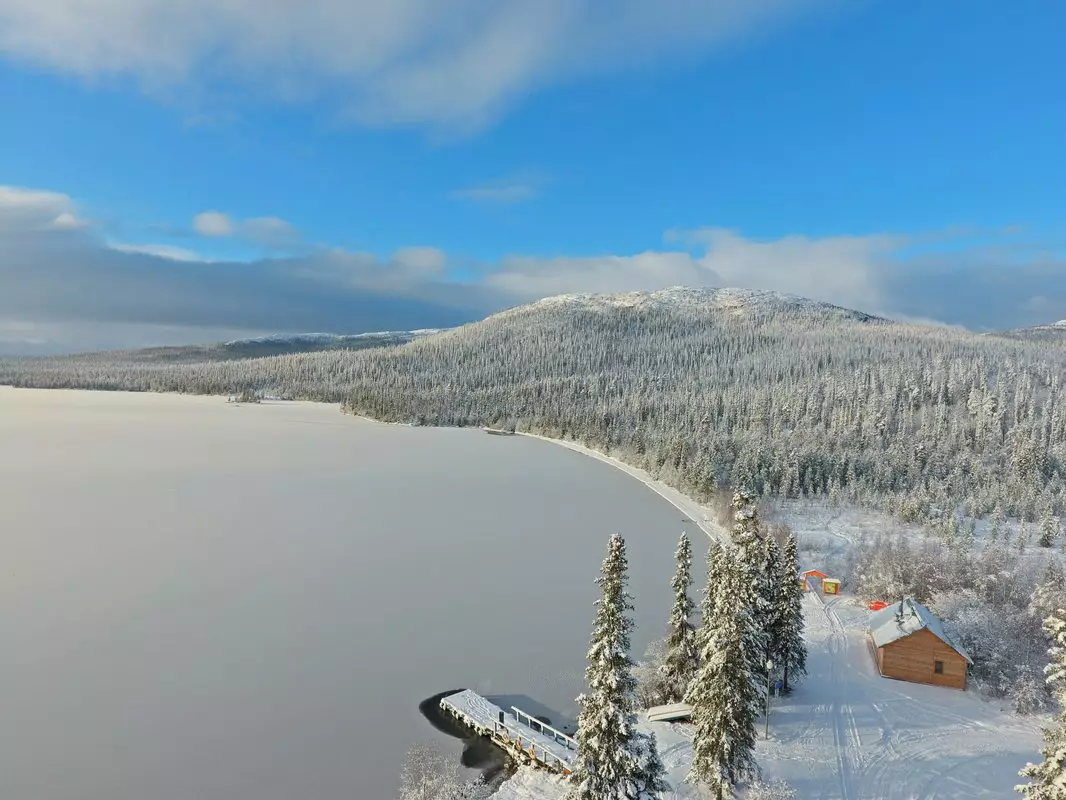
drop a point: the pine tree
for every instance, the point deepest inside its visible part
(614, 761)
(752, 555)
(996, 526)
(769, 583)
(1047, 780)
(723, 694)
(681, 655)
(791, 649)
(1049, 528)
(1050, 593)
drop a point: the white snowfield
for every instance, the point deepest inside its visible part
(846, 733)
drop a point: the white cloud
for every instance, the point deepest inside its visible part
(272, 233)
(66, 221)
(424, 262)
(52, 277)
(212, 223)
(531, 278)
(455, 63)
(169, 252)
(269, 231)
(837, 269)
(509, 193)
(35, 209)
(504, 191)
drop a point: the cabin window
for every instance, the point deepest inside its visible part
(938, 667)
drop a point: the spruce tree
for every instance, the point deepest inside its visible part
(752, 556)
(1050, 593)
(791, 649)
(1049, 528)
(681, 656)
(1047, 780)
(723, 694)
(614, 761)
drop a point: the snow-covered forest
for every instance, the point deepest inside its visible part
(704, 388)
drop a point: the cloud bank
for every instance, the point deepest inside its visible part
(450, 63)
(63, 288)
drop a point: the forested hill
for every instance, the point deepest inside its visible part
(254, 347)
(1040, 333)
(705, 388)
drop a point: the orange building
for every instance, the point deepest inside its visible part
(912, 645)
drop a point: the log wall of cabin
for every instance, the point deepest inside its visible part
(914, 657)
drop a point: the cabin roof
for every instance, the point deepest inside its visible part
(886, 626)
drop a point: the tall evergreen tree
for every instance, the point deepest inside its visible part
(614, 760)
(1050, 593)
(1049, 528)
(790, 649)
(723, 694)
(681, 655)
(752, 555)
(769, 583)
(1047, 780)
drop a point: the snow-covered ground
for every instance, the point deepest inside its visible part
(846, 733)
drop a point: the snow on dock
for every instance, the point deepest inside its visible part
(517, 732)
(670, 713)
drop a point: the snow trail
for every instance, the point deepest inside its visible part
(846, 733)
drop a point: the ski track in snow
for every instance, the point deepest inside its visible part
(846, 733)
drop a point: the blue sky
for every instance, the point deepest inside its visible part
(444, 159)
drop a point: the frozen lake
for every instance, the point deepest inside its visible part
(248, 603)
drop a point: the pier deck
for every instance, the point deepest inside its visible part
(515, 731)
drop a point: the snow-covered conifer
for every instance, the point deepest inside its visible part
(1050, 593)
(614, 761)
(753, 554)
(790, 647)
(1049, 528)
(1047, 780)
(681, 655)
(723, 695)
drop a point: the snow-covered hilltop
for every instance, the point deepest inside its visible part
(1053, 332)
(735, 301)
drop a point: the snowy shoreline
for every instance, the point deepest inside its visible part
(690, 508)
(696, 512)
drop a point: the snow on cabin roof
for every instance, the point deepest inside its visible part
(886, 628)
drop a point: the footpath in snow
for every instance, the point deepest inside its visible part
(846, 733)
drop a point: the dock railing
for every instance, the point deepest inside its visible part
(544, 728)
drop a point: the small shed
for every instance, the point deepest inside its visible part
(912, 645)
(812, 574)
(830, 586)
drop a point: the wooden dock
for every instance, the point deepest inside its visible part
(523, 736)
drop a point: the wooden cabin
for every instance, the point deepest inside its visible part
(830, 586)
(912, 645)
